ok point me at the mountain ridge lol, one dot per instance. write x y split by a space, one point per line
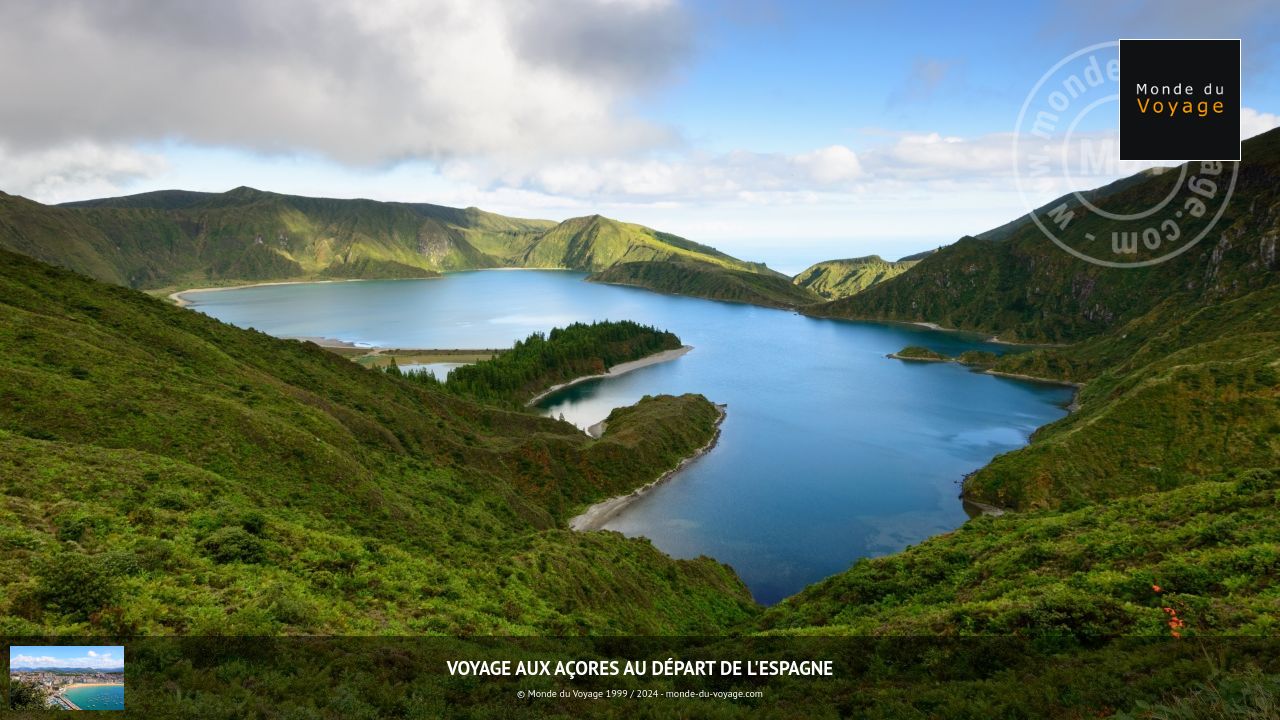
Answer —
179 239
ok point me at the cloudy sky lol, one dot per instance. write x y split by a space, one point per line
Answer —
66 656
781 131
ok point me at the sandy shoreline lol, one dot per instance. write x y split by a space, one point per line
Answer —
177 297
180 301
616 370
594 517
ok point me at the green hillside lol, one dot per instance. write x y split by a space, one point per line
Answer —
161 472
595 243
1171 398
177 238
1210 547
832 279
1025 288
706 280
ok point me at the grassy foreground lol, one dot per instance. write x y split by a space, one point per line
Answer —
161 472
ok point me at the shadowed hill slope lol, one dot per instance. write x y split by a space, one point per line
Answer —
163 472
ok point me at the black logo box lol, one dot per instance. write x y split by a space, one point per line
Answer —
1185 67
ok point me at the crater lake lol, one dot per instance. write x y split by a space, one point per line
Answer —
829 452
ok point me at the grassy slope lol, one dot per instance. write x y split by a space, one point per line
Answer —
595 243
1212 547
178 238
1171 398
705 280
832 279
126 246
192 477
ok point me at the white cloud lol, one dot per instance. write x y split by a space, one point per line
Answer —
830 165
692 177
75 170
932 156
364 83
92 659
1253 122
32 661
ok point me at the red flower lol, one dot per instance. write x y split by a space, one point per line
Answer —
1156 588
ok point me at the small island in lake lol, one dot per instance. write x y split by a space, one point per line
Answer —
919 354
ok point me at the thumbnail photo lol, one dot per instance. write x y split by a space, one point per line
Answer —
66 677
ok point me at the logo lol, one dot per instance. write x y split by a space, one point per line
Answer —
1180 99
1110 212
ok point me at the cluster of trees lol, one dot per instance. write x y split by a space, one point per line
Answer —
546 359
25 695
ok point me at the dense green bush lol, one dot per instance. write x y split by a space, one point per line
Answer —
27 696
233 544
75 584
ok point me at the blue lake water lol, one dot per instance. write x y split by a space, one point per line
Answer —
830 451
103 697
